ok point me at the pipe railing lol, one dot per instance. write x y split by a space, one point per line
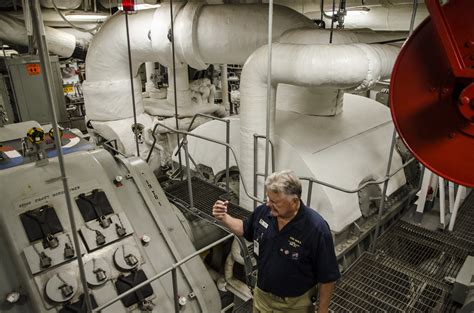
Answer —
255 162
182 132
227 140
312 181
173 268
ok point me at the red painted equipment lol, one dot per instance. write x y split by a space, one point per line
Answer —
432 91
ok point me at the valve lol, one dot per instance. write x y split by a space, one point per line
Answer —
35 135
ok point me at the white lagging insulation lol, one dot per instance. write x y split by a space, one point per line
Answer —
13 31
307 64
356 67
204 34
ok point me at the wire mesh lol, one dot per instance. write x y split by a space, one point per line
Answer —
205 195
374 283
434 254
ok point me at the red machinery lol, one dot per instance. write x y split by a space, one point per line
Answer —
432 91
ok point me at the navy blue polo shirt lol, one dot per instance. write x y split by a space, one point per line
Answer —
295 259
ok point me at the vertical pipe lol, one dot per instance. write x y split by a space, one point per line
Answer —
310 191
384 193
149 70
38 29
227 156
175 289
442 202
457 204
188 171
451 196
175 97
413 15
425 185
269 86
255 169
135 128
225 88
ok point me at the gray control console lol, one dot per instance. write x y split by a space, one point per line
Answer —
117 204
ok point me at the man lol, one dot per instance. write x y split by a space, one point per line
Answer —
293 247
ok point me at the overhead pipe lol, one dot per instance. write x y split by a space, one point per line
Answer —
356 67
13 31
203 34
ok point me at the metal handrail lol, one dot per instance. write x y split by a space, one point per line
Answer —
172 269
370 182
255 161
227 140
182 132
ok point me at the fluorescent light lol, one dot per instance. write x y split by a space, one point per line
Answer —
86 17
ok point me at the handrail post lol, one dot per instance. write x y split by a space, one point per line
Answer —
255 164
227 154
310 191
188 171
175 289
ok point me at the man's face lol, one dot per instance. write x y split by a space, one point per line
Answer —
282 205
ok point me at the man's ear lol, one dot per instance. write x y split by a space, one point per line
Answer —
295 202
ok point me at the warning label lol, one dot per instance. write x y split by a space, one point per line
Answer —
33 69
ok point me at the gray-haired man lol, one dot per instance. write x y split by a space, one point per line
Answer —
293 247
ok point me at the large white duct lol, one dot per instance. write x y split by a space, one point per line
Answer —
300 99
203 34
381 17
13 31
355 67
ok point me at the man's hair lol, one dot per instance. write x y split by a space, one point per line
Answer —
284 182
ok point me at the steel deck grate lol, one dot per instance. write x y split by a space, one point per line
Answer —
204 196
377 284
434 254
464 226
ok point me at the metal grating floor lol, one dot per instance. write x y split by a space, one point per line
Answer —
205 195
409 270
406 274
434 254
377 284
464 226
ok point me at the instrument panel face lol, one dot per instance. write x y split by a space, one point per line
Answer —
111 219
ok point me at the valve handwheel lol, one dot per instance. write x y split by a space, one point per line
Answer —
35 135
432 91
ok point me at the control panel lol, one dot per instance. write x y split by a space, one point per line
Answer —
112 217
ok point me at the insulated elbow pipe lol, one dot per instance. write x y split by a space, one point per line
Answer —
354 66
203 34
13 31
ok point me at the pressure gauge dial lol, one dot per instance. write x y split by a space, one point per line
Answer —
97 272
61 287
127 257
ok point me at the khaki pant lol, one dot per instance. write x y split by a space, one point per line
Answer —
264 302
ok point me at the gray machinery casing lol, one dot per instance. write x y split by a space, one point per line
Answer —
23 92
138 202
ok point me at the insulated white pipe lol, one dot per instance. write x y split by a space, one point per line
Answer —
451 196
383 17
457 204
355 66
225 87
300 99
149 72
221 33
13 31
107 93
442 202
